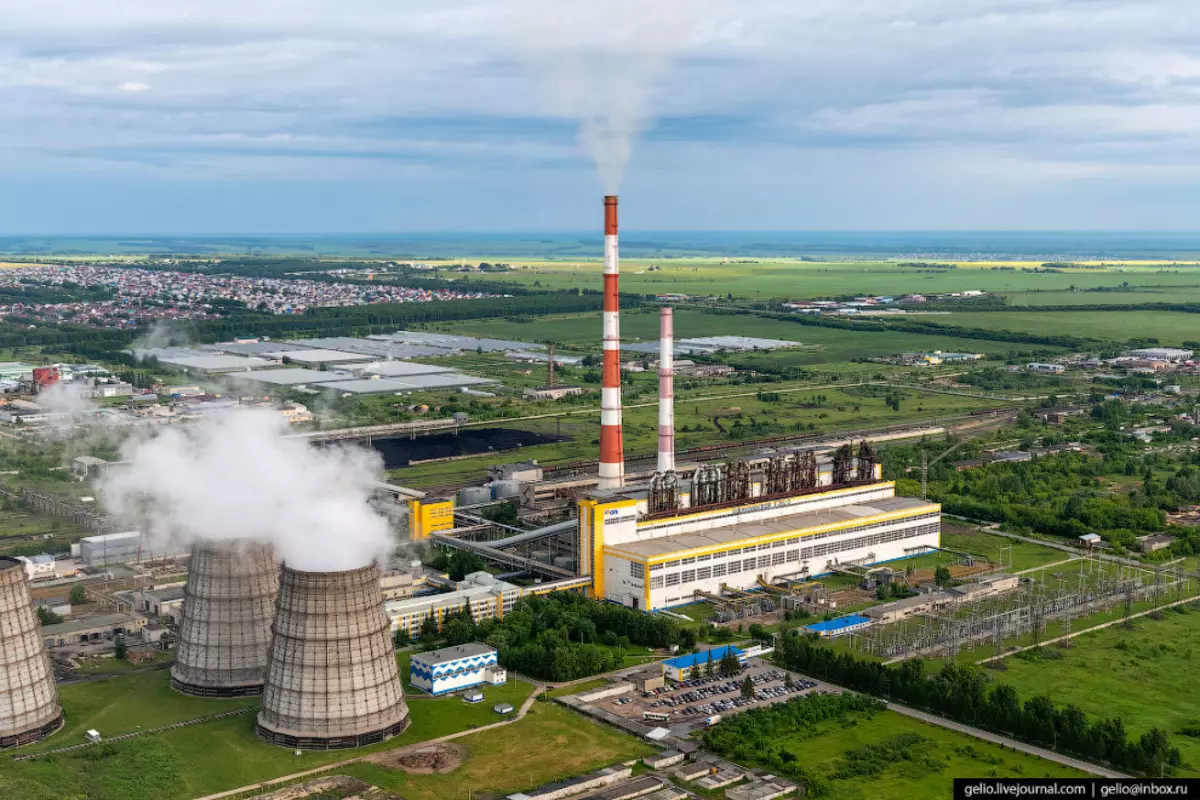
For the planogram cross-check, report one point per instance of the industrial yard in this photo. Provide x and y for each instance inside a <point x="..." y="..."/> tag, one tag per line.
<point x="718" y="511"/>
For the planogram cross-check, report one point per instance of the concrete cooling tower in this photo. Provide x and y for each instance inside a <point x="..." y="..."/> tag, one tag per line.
<point x="332" y="680"/>
<point x="29" y="708"/>
<point x="228" y="605"/>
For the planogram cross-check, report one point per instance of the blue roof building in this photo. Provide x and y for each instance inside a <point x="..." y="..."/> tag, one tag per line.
<point x="677" y="668"/>
<point x="838" y="627"/>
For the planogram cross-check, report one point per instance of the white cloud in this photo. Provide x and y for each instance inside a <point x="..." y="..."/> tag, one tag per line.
<point x="1035" y="90"/>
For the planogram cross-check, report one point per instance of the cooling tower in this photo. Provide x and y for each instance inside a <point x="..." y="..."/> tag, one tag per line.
<point x="228" y="605"/>
<point x="29" y="708"/>
<point x="332" y="680"/>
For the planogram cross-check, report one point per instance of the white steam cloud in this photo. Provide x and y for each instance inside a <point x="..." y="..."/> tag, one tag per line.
<point x="239" y="476"/>
<point x="602" y="61"/>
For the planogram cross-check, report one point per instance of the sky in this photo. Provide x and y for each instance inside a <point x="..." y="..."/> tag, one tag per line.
<point x="327" y="116"/>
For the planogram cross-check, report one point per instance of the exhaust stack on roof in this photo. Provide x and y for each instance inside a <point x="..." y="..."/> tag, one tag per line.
<point x="612" y="447"/>
<point x="29" y="709"/>
<point x="331" y="681"/>
<point x="228" y="605"/>
<point x="666" y="391"/>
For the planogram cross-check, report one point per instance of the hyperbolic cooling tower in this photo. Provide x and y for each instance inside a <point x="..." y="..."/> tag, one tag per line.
<point x="332" y="680"/>
<point x="228" y="605"/>
<point x="29" y="708"/>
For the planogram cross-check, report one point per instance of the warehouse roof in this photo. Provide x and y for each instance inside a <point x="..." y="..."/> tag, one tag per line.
<point x="689" y="660"/>
<point x="848" y="621"/>
<point x="288" y="377"/>
<point x="90" y="622"/>
<point x="322" y="356"/>
<point x="111" y="538"/>
<point x="796" y="524"/>
<point x="403" y="368"/>
<point x="468" y="650"/>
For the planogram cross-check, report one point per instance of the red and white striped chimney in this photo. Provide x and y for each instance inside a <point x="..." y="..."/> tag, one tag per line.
<point x="666" y="390"/>
<point x="612" y="446"/>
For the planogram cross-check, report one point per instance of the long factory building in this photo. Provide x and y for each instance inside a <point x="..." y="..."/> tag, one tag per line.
<point x="653" y="562"/>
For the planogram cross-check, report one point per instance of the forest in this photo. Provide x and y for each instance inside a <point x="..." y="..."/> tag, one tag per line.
<point x="964" y="693"/>
<point x="564" y="636"/>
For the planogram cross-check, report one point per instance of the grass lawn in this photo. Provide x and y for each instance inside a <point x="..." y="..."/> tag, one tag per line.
<point x="180" y="763"/>
<point x="943" y="756"/>
<point x="1144" y="676"/>
<point x="1024" y="555"/>
<point x="577" y="688"/>
<point x="549" y="744"/>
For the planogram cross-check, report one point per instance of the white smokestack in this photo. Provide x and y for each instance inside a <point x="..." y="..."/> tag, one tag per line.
<point x="666" y="391"/>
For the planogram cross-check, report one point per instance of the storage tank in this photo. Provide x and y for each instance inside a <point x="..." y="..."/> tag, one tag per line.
<point x="331" y="680"/>
<point x="504" y="490"/>
<point x="29" y="709"/>
<point x="225" y="627"/>
<point x="474" y="496"/>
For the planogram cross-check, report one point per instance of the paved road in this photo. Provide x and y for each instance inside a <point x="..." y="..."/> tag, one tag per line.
<point x="1012" y="744"/>
<point x="295" y="776"/>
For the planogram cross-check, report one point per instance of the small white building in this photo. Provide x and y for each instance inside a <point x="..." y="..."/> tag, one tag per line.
<point x="39" y="567"/>
<point x="452" y="669"/>
<point x="473" y="696"/>
<point x="1046" y="369"/>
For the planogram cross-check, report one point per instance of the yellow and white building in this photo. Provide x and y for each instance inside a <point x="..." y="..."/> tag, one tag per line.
<point x="651" y="563"/>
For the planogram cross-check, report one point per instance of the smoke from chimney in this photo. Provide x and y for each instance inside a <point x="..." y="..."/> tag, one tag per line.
<point x="239" y="475"/>
<point x="612" y="446"/>
<point x="666" y="391"/>
<point x="602" y="60"/>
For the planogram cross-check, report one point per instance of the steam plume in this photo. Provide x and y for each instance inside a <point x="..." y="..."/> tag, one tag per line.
<point x="602" y="60"/>
<point x="238" y="476"/>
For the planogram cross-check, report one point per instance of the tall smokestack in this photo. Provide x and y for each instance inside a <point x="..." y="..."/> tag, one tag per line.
<point x="666" y="390"/>
<point x="612" y="446"/>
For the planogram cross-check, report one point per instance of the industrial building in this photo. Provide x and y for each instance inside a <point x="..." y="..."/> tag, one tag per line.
<point x="111" y="548"/>
<point x="1046" y="369"/>
<point x="1162" y="353"/>
<point x="91" y="628"/>
<point x="677" y="668"/>
<point x="699" y="532"/>
<point x="331" y="676"/>
<point x="486" y="595"/>
<point x="832" y="628"/>
<point x="29" y="708"/>
<point x="39" y="567"/>
<point x="452" y="669"/>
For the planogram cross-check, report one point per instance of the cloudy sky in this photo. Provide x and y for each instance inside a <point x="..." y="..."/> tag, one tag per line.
<point x="231" y="116"/>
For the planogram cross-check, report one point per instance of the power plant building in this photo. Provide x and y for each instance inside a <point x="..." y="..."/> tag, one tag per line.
<point x="658" y="560"/>
<point x="452" y="669"/>
<point x="29" y="708"/>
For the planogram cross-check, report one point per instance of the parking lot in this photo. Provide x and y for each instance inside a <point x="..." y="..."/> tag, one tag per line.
<point x="690" y="703"/>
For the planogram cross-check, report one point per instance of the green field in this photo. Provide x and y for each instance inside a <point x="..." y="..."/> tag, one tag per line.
<point x="781" y="278"/>
<point x="1185" y="293"/>
<point x="1144" y="676"/>
<point x="941" y="757"/>
<point x="819" y="345"/>
<point x="178" y="763"/>
<point x="1169" y="327"/>
<point x="1023" y="555"/>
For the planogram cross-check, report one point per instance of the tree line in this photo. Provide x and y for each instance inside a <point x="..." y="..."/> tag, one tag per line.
<point x="962" y="692"/>
<point x="564" y="636"/>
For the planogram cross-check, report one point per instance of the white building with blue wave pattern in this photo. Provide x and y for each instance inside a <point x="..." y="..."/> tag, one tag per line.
<point x="454" y="668"/>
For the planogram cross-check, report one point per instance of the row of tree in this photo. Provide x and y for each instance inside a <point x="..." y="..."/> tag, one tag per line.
<point x="963" y="693"/>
